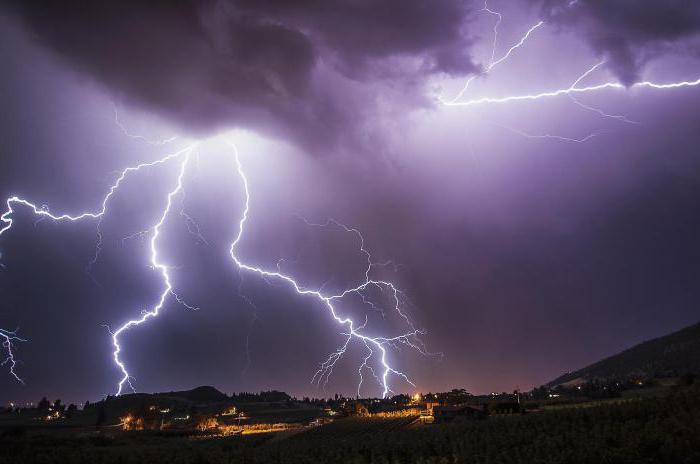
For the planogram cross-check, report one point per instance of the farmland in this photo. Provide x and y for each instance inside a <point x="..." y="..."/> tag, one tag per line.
<point x="654" y="429"/>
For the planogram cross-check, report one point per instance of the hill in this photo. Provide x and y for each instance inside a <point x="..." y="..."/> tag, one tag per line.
<point x="204" y="394"/>
<point x="200" y="398"/>
<point x="672" y="355"/>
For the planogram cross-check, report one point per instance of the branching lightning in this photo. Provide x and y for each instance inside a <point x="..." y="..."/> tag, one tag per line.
<point x="499" y="18"/>
<point x="43" y="212"/>
<point x="160" y="267"/>
<point x="575" y="90"/>
<point x="139" y="137"/>
<point x="376" y="346"/>
<point x="493" y="62"/>
<point x="593" y="109"/>
<point x="8" y="337"/>
<point x="571" y="91"/>
<point x="560" y="138"/>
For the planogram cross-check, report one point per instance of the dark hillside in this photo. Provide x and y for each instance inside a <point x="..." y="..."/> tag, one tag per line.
<point x="205" y="394"/>
<point x="672" y="355"/>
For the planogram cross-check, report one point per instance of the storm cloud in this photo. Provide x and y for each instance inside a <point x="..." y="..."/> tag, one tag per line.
<point x="524" y="255"/>
<point x="307" y="71"/>
<point x="629" y="33"/>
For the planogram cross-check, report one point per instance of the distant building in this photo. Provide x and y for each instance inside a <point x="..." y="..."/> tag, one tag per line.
<point x="458" y="412"/>
<point x="426" y="415"/>
<point x="356" y="408"/>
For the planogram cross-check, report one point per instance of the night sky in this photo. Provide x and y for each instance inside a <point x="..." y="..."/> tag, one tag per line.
<point x="529" y="238"/>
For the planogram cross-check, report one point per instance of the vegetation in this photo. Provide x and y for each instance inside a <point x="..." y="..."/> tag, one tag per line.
<point x="657" y="429"/>
<point x="673" y="355"/>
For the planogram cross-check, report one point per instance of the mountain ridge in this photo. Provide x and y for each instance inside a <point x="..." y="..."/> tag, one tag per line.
<point x="671" y="355"/>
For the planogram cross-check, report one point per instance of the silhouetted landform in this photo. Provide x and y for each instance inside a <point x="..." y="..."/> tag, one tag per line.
<point x="272" y="396"/>
<point x="204" y="394"/>
<point x="659" y="429"/>
<point x="193" y="403"/>
<point x="673" y="355"/>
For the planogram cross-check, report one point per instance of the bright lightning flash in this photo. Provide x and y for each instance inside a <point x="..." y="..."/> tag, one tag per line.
<point x="355" y="331"/>
<point x="162" y="268"/>
<point x="8" y="337"/>
<point x="6" y="223"/>
<point x="571" y="91"/>
<point x="376" y="346"/>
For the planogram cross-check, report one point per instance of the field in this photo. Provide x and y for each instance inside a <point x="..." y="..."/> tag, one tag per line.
<point x="648" y="430"/>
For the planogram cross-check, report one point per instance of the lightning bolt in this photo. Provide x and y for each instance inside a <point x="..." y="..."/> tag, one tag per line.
<point x="575" y="90"/>
<point x="376" y="346"/>
<point x="160" y="267"/>
<point x="499" y="18"/>
<point x="43" y="212"/>
<point x="493" y="63"/>
<point x="593" y="109"/>
<point x="139" y="137"/>
<point x="8" y="337"/>
<point x="560" y="138"/>
<point x="571" y="91"/>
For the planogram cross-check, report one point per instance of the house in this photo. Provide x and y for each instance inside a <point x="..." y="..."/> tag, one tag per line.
<point x="458" y="412"/>
<point x="356" y="408"/>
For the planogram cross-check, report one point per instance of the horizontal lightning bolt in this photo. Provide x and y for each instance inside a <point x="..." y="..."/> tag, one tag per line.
<point x="560" y="138"/>
<point x="593" y="109"/>
<point x="44" y="212"/>
<point x="573" y="91"/>
<point x="493" y="63"/>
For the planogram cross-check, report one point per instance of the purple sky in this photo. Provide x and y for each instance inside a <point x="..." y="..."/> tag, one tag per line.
<point x="523" y="256"/>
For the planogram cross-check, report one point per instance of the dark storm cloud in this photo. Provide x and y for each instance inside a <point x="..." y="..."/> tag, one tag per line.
<point x="270" y="65"/>
<point x="629" y="32"/>
<point x="360" y="32"/>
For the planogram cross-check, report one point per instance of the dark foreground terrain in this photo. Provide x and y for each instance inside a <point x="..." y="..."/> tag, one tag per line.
<point x="663" y="429"/>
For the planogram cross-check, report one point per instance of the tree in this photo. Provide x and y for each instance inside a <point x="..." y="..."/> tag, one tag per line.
<point x="43" y="404"/>
<point x="540" y="393"/>
<point x="101" y="416"/>
<point x="58" y="406"/>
